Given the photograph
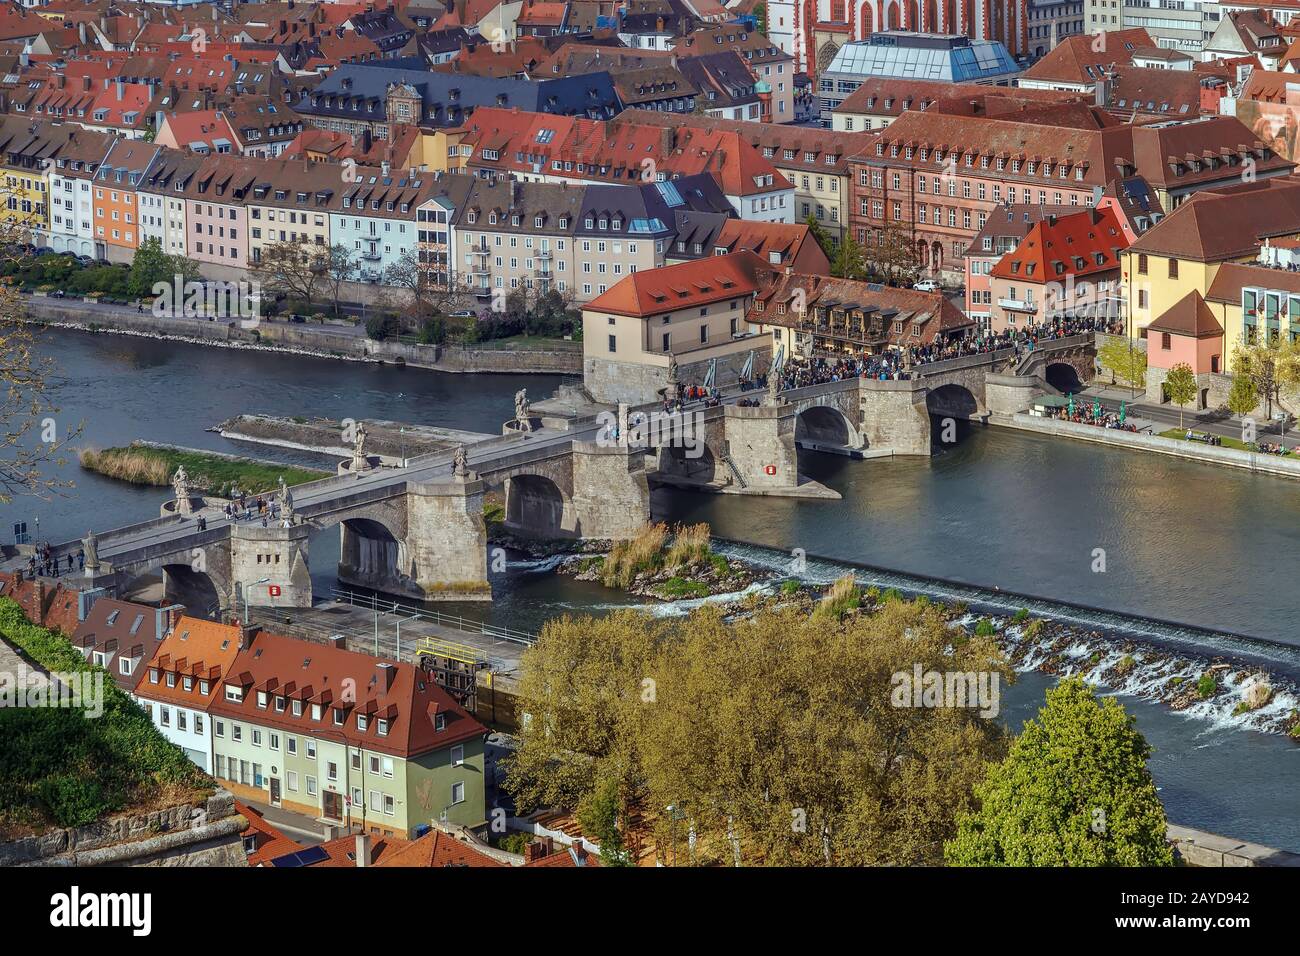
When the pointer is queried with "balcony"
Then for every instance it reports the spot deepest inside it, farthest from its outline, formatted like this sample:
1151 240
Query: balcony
372 254
546 254
1019 305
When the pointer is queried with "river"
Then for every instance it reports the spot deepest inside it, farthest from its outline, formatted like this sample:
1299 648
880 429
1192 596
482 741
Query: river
1181 542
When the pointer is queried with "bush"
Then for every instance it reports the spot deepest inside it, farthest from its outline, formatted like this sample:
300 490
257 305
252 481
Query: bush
433 331
1207 686
842 596
1021 616
57 767
789 587
984 628
379 327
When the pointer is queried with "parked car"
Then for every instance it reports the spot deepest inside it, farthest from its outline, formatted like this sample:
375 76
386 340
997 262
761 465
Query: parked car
927 285
56 294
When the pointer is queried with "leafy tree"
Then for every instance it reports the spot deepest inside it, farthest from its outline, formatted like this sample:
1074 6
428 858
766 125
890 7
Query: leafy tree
849 262
818 232
1125 360
150 265
1272 363
776 738
599 814
1180 385
1243 396
1073 791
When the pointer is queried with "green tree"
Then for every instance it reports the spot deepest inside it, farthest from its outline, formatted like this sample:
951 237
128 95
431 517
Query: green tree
1180 386
149 266
1125 360
599 814
1073 791
849 262
823 238
1243 396
1272 363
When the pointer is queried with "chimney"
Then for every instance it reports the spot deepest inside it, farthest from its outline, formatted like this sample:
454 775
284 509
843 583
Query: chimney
247 634
579 851
534 851
363 849
387 673
385 169
121 87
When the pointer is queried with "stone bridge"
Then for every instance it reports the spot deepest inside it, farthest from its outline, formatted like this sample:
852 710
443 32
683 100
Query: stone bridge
418 531
859 414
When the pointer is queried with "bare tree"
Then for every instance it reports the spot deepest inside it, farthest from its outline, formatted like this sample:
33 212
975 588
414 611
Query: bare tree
339 265
296 269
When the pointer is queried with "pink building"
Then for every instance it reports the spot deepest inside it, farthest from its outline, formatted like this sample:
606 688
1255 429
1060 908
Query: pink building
1187 333
216 230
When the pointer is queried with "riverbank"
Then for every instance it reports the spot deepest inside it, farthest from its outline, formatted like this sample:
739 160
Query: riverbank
326 436
210 473
1277 465
332 342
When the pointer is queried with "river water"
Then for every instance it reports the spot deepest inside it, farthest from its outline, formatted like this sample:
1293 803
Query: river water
1180 543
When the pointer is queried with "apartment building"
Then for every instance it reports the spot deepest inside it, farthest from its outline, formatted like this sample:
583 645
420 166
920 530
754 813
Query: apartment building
114 200
832 318
72 210
291 201
1065 265
161 200
813 161
541 148
345 738
216 216
375 218
1005 228
121 637
935 179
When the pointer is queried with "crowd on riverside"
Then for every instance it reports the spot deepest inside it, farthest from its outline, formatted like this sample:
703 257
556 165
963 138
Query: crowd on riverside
1085 414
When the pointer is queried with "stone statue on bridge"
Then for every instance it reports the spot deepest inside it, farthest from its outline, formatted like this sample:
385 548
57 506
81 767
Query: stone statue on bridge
286 502
460 462
774 386
359 460
90 545
181 487
523 417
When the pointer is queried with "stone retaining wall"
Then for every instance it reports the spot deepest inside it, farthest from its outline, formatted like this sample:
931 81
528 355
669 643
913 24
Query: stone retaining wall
1177 447
182 835
1198 848
322 341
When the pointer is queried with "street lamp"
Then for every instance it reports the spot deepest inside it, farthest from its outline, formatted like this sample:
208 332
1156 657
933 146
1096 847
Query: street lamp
1281 427
247 588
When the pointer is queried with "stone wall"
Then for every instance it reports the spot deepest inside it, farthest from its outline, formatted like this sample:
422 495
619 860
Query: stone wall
322 341
611 496
206 834
447 539
761 443
272 552
1198 848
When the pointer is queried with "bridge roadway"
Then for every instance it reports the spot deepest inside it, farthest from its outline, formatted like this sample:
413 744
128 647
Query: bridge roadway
494 455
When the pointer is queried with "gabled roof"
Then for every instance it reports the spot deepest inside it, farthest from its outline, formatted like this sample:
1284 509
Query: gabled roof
1227 223
1188 316
1076 60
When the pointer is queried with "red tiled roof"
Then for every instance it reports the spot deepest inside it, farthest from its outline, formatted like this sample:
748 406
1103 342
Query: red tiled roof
268 842
1080 244
682 286
1188 316
1072 58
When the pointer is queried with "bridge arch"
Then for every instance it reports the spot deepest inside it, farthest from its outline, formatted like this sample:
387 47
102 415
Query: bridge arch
204 592
675 461
371 555
537 506
826 425
1063 377
952 401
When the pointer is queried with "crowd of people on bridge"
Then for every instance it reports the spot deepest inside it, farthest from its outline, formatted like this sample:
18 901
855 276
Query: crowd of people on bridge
47 563
242 508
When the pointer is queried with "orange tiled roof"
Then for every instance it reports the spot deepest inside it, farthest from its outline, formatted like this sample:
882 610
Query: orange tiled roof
684 285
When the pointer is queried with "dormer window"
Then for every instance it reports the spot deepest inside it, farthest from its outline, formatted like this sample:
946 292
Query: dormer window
261 700
381 726
297 708
171 679
361 721
315 711
234 693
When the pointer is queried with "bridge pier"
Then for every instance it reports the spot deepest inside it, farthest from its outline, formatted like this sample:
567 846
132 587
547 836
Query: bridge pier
278 554
611 496
1005 395
759 441
894 415
445 554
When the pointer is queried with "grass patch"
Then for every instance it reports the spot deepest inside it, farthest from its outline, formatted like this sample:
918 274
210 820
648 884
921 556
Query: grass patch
840 598
209 474
651 550
60 768
1181 435
678 588
1207 686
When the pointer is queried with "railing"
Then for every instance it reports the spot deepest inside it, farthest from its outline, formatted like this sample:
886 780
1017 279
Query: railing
454 621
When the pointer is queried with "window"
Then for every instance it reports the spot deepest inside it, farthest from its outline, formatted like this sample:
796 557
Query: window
219 728
291 780
234 693
1166 341
236 732
311 749
1173 268
457 755
123 665
311 786
381 726
1142 264
291 745
388 766
457 793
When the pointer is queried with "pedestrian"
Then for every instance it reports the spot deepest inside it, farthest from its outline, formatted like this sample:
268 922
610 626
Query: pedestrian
81 558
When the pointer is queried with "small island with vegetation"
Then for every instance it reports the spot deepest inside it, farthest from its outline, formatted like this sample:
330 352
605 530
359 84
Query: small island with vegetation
211 473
